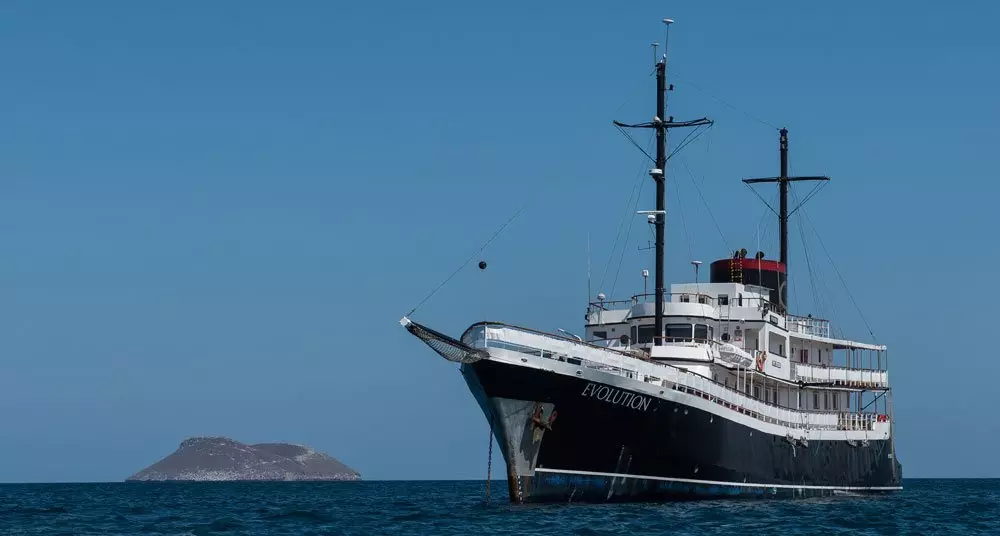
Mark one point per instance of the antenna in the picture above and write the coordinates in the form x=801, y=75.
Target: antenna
x=696, y=264
x=666, y=35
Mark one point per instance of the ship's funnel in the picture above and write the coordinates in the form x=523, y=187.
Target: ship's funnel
x=758, y=271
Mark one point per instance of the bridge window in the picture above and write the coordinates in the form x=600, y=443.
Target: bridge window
x=678, y=332
x=635, y=334
x=601, y=335
x=701, y=332
x=685, y=298
x=723, y=299
x=702, y=298
x=739, y=301
x=646, y=334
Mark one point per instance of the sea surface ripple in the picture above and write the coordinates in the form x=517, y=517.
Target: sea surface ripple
x=457, y=507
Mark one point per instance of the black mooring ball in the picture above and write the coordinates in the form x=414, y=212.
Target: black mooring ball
x=482, y=265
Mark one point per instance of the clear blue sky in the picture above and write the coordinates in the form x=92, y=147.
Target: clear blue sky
x=212, y=215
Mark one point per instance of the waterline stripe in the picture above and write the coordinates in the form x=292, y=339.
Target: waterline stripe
x=717, y=483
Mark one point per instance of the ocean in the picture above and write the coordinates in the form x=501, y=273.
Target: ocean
x=418, y=508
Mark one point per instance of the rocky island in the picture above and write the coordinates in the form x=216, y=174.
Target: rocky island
x=205, y=459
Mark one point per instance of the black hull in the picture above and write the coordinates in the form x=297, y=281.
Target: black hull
x=645, y=448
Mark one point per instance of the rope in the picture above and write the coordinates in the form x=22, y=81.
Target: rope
x=837, y=271
x=724, y=103
x=637, y=184
x=817, y=301
x=707, y=207
x=636, y=144
x=688, y=139
x=489, y=464
x=762, y=200
x=628, y=233
x=680, y=208
x=467, y=261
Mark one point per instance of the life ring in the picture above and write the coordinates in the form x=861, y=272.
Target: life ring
x=761, y=359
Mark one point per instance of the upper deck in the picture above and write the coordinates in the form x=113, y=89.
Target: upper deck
x=792, y=348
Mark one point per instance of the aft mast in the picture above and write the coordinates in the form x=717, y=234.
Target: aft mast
x=783, y=180
x=661, y=124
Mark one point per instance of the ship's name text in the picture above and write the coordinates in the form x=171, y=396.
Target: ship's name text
x=616, y=396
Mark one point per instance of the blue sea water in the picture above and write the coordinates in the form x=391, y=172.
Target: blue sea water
x=411, y=508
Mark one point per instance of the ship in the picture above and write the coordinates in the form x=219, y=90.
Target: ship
x=704, y=391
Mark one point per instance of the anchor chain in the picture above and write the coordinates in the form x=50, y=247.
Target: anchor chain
x=489, y=464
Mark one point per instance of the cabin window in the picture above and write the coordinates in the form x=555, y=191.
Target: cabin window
x=685, y=298
x=756, y=392
x=711, y=333
x=646, y=334
x=774, y=397
x=826, y=400
x=804, y=355
x=835, y=397
x=635, y=334
x=739, y=300
x=815, y=400
x=723, y=299
x=702, y=299
x=701, y=332
x=678, y=332
x=601, y=335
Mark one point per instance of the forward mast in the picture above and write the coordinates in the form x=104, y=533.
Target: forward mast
x=660, y=125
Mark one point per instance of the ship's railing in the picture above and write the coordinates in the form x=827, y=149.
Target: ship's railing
x=808, y=325
x=547, y=345
x=610, y=305
x=848, y=377
x=620, y=363
x=693, y=297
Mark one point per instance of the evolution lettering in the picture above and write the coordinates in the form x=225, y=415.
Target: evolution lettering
x=616, y=396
